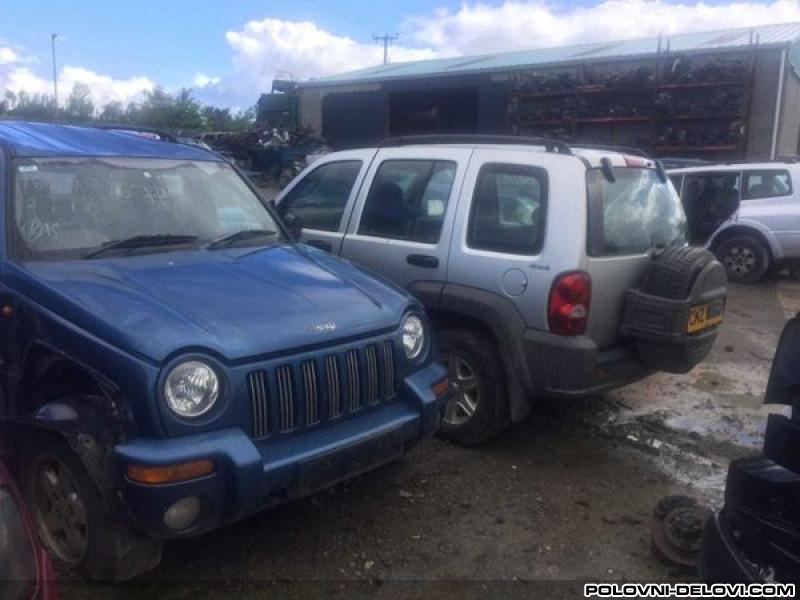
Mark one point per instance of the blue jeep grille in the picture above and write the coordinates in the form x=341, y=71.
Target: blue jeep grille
x=300, y=394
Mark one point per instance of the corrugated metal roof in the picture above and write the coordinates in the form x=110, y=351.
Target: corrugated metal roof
x=782, y=34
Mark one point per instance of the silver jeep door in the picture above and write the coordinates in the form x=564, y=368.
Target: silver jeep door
x=401, y=225
x=521, y=223
x=322, y=197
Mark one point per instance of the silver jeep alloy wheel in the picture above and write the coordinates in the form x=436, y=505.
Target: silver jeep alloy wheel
x=739, y=260
x=465, y=395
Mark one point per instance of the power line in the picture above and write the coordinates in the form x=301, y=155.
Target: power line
x=387, y=41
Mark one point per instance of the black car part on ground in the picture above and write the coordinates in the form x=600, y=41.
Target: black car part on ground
x=657, y=314
x=676, y=530
x=756, y=535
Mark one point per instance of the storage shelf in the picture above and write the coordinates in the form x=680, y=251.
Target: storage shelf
x=542, y=94
x=698, y=85
x=583, y=108
x=628, y=119
x=699, y=117
x=668, y=148
x=602, y=89
x=546, y=123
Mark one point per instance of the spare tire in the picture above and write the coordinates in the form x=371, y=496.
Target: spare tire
x=672, y=273
x=674, y=314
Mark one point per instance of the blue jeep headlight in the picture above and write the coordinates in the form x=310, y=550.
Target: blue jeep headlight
x=191, y=389
x=413, y=336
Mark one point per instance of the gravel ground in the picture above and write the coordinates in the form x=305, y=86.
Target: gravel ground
x=565, y=496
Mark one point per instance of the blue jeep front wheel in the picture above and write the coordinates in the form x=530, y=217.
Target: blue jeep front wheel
x=73, y=520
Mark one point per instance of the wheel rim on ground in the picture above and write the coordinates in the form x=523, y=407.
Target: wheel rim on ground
x=59, y=510
x=465, y=393
x=739, y=260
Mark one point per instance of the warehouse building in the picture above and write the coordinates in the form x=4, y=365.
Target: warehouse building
x=718, y=95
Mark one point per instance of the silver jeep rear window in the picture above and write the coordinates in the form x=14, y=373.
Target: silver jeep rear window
x=634, y=213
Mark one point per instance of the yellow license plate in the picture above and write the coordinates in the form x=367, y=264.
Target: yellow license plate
x=704, y=315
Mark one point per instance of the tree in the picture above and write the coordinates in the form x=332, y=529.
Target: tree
x=79, y=103
x=113, y=112
x=40, y=107
x=157, y=109
x=162, y=110
x=222, y=119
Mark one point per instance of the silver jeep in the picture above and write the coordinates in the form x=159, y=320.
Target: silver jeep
x=748, y=214
x=548, y=270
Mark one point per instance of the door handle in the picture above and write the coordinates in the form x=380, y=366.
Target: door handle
x=422, y=260
x=327, y=246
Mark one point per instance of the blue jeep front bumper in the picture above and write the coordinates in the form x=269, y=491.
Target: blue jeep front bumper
x=252, y=475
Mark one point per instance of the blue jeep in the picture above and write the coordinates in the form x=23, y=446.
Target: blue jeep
x=171, y=360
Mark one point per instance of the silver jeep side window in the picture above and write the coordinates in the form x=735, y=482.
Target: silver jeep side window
x=766, y=184
x=508, y=209
x=408, y=200
x=319, y=199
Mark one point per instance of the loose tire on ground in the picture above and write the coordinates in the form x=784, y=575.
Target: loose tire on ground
x=111, y=552
x=479, y=358
x=745, y=258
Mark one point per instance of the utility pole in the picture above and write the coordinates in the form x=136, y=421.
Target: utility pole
x=53, y=37
x=387, y=41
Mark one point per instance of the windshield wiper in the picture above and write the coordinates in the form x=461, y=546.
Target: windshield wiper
x=237, y=236
x=141, y=241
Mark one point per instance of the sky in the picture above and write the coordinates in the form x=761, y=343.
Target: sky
x=228, y=51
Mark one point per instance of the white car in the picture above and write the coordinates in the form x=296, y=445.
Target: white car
x=748, y=214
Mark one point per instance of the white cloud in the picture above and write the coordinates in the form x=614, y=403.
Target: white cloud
x=476, y=28
x=17, y=76
x=202, y=80
x=262, y=50
x=104, y=88
x=7, y=55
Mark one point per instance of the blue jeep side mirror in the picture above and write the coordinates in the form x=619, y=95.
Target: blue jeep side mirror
x=293, y=225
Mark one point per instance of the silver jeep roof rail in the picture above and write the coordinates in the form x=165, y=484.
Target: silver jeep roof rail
x=786, y=160
x=621, y=149
x=550, y=145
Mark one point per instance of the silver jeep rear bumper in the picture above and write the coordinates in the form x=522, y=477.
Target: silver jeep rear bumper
x=572, y=366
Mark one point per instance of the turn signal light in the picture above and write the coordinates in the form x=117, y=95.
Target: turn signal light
x=155, y=475
x=568, y=307
x=440, y=387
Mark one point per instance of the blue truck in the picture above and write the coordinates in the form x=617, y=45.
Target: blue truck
x=171, y=360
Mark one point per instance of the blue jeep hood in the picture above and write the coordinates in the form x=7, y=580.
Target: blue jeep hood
x=236, y=303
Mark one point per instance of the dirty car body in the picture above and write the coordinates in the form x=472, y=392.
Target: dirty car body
x=173, y=358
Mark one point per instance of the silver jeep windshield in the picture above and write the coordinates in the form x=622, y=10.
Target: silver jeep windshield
x=73, y=207
x=634, y=213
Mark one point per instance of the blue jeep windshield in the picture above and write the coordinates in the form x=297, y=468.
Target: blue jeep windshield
x=70, y=207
